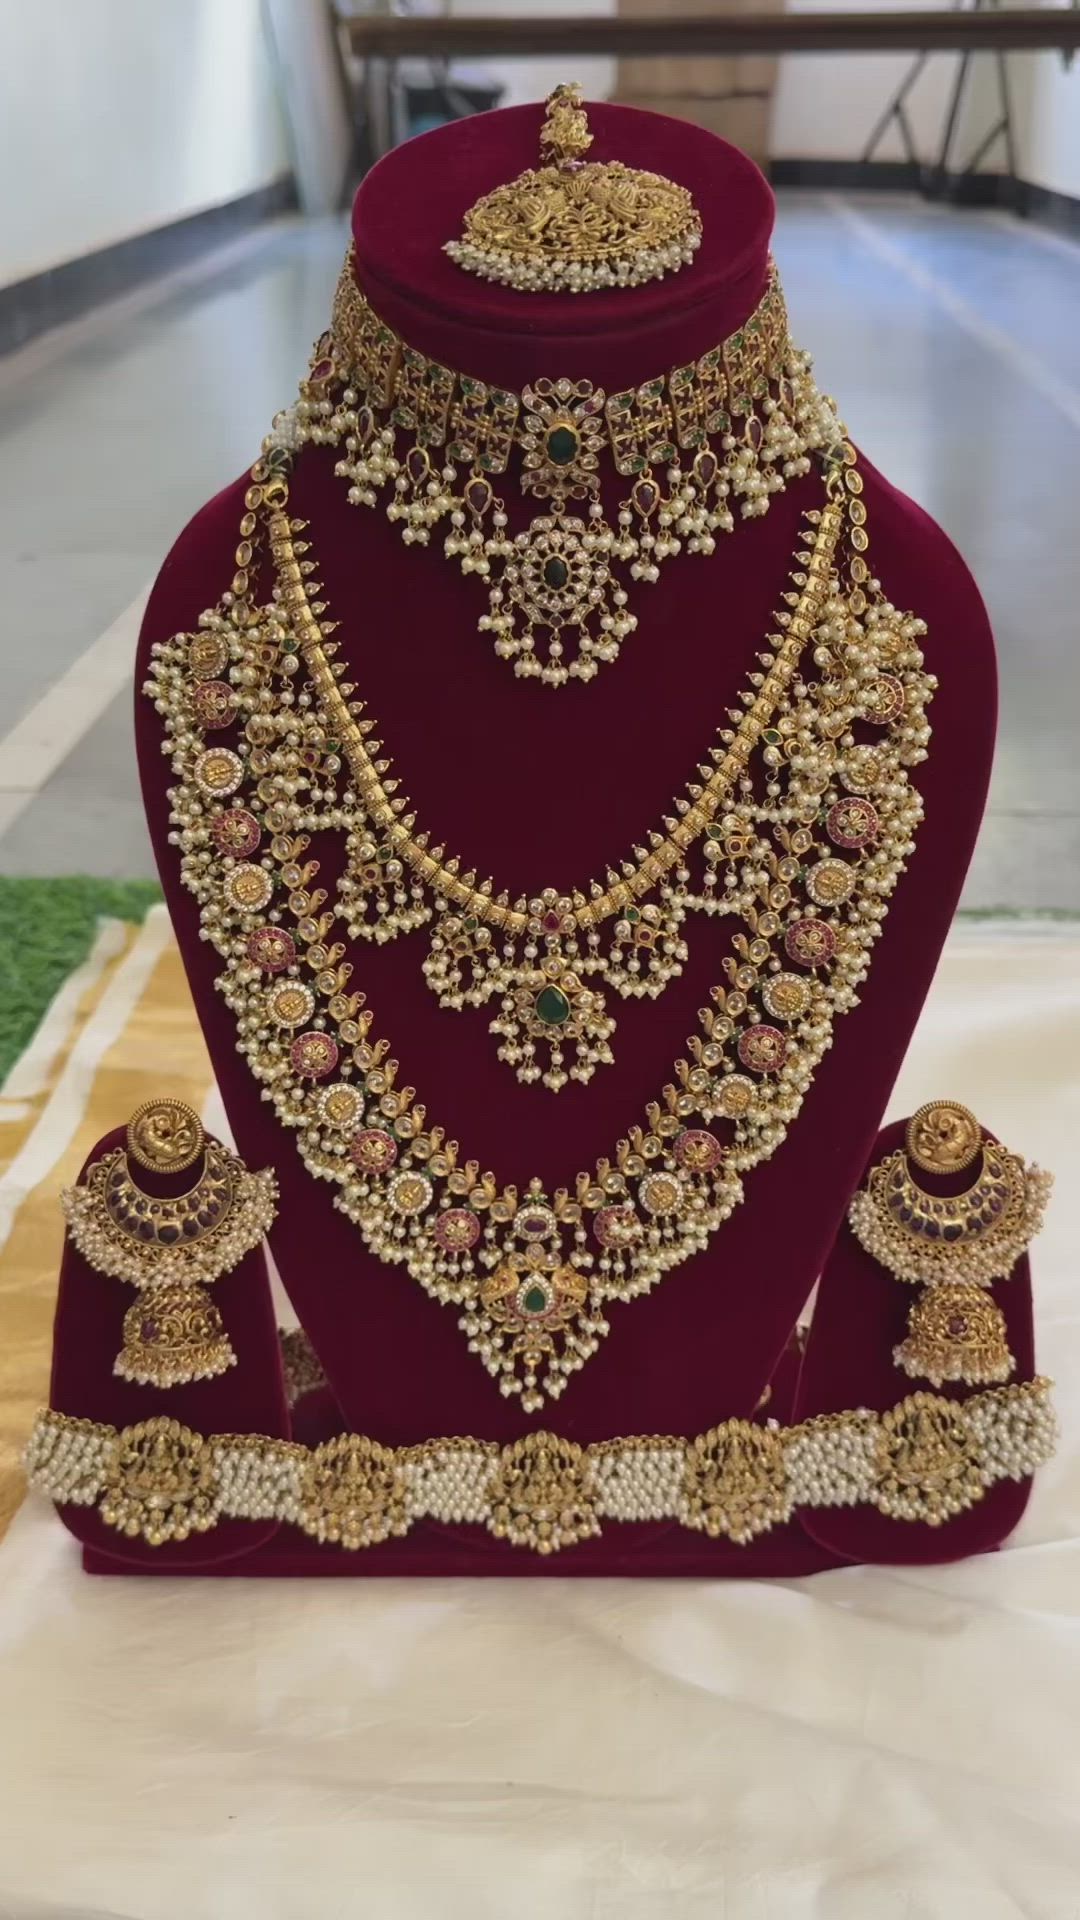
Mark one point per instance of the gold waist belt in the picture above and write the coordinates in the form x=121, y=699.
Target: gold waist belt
x=925, y=1459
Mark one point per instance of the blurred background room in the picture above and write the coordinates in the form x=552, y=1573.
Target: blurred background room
x=176, y=182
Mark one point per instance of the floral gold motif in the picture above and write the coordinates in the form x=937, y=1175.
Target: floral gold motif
x=539, y=1496
x=943, y=1136
x=160, y=1483
x=577, y=224
x=956, y=1332
x=352, y=1493
x=736, y=1483
x=927, y=1463
x=165, y=1136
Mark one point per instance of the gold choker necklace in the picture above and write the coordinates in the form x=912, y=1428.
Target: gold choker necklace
x=728, y=430
x=533, y=1272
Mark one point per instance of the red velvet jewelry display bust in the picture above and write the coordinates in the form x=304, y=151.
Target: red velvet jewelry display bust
x=547, y=788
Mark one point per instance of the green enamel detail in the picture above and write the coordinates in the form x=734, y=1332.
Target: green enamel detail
x=552, y=1007
x=561, y=446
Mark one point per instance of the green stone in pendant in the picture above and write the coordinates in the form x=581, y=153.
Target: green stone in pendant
x=535, y=1299
x=561, y=446
x=556, y=572
x=552, y=1007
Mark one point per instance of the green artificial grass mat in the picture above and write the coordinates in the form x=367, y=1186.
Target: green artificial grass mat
x=47, y=928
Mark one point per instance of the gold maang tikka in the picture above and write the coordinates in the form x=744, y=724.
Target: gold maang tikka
x=576, y=224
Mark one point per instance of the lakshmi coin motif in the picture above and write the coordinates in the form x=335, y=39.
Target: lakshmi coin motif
x=248, y=888
x=218, y=772
x=863, y=769
x=291, y=1004
x=660, y=1193
x=409, y=1193
x=735, y=1095
x=341, y=1106
x=830, y=882
x=786, y=996
x=165, y=1135
x=208, y=655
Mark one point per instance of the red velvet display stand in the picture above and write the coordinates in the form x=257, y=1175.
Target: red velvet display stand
x=546, y=788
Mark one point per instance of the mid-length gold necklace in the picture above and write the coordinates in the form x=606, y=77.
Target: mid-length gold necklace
x=545, y=960
x=532, y=1272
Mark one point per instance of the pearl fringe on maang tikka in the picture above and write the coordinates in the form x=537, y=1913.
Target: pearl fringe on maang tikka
x=577, y=225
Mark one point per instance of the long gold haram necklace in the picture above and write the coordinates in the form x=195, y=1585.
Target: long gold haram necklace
x=553, y=1023
x=532, y=1272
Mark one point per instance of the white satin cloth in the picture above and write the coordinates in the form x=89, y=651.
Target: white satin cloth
x=871, y=1744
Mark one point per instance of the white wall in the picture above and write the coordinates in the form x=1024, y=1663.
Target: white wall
x=117, y=116
x=826, y=105
x=533, y=79
x=1046, y=99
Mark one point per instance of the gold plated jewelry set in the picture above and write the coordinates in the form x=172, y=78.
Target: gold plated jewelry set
x=691, y=447
x=792, y=831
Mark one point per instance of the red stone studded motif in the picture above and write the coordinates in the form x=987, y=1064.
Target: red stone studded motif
x=272, y=949
x=852, y=824
x=698, y=1150
x=374, y=1150
x=236, y=832
x=763, y=1049
x=810, y=943
x=314, y=1055
x=457, y=1230
x=884, y=700
x=214, y=704
x=617, y=1227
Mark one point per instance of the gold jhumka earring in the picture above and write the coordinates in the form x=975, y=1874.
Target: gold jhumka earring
x=953, y=1246
x=167, y=1245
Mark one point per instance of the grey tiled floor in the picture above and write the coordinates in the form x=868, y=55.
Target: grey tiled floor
x=950, y=338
